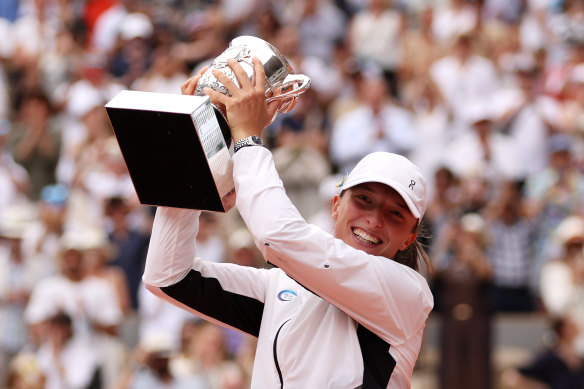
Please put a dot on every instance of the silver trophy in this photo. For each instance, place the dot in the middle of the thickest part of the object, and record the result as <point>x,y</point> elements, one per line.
<point>176,147</point>
<point>280,79</point>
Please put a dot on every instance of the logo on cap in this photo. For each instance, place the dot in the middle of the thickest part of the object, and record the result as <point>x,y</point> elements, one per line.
<point>412,183</point>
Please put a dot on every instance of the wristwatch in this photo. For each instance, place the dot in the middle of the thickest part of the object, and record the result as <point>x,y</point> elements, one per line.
<point>253,140</point>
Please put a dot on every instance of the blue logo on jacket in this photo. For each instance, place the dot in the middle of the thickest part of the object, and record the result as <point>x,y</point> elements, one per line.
<point>286,295</point>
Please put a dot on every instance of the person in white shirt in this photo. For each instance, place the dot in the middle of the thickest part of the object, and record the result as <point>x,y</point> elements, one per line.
<point>376,124</point>
<point>336,311</point>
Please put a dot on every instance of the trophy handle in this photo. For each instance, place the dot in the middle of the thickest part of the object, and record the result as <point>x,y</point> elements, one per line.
<point>302,84</point>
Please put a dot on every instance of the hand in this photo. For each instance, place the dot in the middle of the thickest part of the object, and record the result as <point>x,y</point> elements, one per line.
<point>188,87</point>
<point>247,110</point>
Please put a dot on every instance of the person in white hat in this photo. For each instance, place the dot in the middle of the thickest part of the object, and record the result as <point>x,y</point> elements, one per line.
<point>336,311</point>
<point>561,286</point>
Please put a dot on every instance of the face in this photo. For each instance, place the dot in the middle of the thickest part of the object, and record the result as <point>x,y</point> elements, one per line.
<point>374,218</point>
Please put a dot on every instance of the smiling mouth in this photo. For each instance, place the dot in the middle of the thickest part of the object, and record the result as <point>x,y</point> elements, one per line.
<point>365,237</point>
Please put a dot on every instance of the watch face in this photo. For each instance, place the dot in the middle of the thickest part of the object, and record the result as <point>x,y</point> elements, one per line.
<point>256,139</point>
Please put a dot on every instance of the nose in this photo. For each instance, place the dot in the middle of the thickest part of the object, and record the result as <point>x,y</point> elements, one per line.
<point>375,218</point>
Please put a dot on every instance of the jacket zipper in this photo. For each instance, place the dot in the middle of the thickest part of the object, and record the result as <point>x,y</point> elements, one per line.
<point>276,356</point>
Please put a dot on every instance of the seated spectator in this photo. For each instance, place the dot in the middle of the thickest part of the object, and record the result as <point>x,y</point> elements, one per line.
<point>558,367</point>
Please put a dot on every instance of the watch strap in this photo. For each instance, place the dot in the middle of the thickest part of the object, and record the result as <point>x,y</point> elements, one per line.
<point>252,140</point>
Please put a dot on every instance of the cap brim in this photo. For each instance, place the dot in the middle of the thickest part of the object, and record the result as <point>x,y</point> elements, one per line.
<point>411,206</point>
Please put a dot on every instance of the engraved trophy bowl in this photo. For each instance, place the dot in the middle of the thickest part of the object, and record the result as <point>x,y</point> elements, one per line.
<point>280,77</point>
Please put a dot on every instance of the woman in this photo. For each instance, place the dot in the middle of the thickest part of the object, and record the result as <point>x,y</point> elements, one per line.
<point>336,311</point>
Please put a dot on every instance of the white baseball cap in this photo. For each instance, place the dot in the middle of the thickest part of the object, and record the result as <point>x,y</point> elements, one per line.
<point>395,171</point>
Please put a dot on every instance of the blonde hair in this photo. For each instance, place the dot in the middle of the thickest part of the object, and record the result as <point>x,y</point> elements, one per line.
<point>415,254</point>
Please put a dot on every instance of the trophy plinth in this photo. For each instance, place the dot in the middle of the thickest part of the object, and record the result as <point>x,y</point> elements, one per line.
<point>175,150</point>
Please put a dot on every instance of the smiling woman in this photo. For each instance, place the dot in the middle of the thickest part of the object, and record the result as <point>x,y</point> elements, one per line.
<point>350,286</point>
<point>381,216</point>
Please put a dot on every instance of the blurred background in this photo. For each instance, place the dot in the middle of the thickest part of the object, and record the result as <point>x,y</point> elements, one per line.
<point>485,96</point>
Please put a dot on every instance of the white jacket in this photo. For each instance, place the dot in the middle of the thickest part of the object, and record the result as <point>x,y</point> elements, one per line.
<point>329,316</point>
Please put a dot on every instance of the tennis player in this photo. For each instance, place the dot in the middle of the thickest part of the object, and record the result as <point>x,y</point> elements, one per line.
<point>336,311</point>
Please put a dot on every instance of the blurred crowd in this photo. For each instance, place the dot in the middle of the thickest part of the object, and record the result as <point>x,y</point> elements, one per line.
<point>485,96</point>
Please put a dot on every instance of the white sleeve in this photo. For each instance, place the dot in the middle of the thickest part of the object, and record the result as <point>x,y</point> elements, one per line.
<point>390,299</point>
<point>223,293</point>
<point>172,246</point>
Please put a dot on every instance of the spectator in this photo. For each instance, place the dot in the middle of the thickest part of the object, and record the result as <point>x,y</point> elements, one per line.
<point>420,46</point>
<point>462,281</point>
<point>531,118</point>
<point>41,239</point>
<point>300,153</point>
<point>553,194</point>
<point>562,279</point>
<point>166,74</point>
<point>511,251</point>
<point>90,302</point>
<point>464,75</point>
<point>129,245</point>
<point>559,366</point>
<point>454,18</point>
<point>376,124</point>
<point>372,30</point>
<point>321,24</point>
<point>66,358</point>
<point>14,179</point>
<point>157,316</point>
<point>445,204</point>
<point>35,141</point>
<point>481,150</point>
<point>18,275</point>
<point>133,56</point>
<point>151,367</point>
<point>432,122</point>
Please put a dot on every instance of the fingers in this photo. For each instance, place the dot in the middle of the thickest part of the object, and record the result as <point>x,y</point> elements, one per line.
<point>259,77</point>
<point>273,107</point>
<point>188,87</point>
<point>257,83</point>
<point>240,74</point>
<point>226,81</point>
<point>216,97</point>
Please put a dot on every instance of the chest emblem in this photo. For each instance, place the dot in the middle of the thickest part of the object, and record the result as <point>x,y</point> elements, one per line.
<point>286,295</point>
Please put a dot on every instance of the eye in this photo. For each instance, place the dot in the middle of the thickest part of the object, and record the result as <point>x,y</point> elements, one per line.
<point>362,198</point>
<point>396,214</point>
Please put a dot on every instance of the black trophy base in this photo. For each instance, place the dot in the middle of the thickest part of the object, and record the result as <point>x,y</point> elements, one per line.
<point>175,150</point>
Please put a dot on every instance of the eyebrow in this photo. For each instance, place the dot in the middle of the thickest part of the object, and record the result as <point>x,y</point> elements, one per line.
<point>402,203</point>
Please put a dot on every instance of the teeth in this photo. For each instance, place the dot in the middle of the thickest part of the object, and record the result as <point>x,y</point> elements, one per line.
<point>365,236</point>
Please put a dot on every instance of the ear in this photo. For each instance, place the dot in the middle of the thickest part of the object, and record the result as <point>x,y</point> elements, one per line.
<point>335,207</point>
<point>411,239</point>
